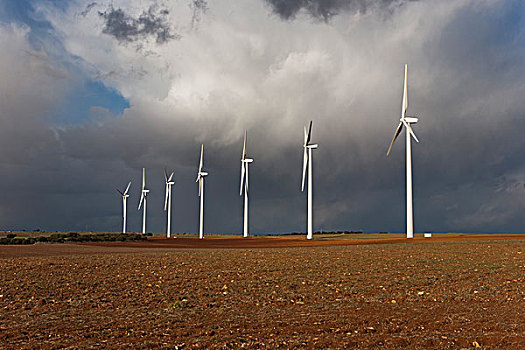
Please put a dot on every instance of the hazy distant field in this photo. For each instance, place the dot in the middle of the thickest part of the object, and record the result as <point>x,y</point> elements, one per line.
<point>455,294</point>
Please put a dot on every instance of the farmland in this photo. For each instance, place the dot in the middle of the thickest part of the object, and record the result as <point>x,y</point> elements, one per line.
<point>448,293</point>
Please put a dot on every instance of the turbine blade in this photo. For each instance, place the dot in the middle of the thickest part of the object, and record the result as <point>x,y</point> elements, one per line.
<point>165,175</point>
<point>200,186</point>
<point>127,188</point>
<point>247,177</point>
<point>202,152</point>
<point>309,133</point>
<point>122,194</point>
<point>405,93</point>
<point>244,145</point>
<point>141,200</point>
<point>305,162</point>
<point>171,176</point>
<point>396,134</point>
<point>305,137</point>
<point>143,178</point>
<point>242,177</point>
<point>412,133</point>
<point>166,197</point>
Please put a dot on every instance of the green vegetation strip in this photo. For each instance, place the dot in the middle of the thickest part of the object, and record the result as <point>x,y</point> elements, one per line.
<point>73,237</point>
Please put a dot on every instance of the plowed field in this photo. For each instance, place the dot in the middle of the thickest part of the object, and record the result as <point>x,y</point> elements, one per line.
<point>268,293</point>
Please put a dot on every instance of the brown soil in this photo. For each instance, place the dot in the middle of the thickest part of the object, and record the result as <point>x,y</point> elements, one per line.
<point>446,292</point>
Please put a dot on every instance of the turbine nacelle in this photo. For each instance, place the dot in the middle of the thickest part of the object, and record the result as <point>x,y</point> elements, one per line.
<point>307,146</point>
<point>405,120</point>
<point>247,160</point>
<point>411,120</point>
<point>125,193</point>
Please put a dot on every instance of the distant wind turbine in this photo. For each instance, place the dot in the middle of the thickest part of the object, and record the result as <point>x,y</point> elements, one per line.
<point>407,121</point>
<point>200,179</point>
<point>307,161</point>
<point>244,181</point>
<point>167,200</point>
<point>125,196</point>
<point>143,195</point>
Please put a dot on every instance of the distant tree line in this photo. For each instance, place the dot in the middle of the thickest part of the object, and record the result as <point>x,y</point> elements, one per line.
<point>326,233</point>
<point>70,237</point>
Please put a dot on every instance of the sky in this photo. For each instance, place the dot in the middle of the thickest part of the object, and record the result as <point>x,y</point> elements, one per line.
<point>93,91</point>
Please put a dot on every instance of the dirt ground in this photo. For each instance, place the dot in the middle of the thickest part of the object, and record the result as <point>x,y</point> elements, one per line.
<point>444,292</point>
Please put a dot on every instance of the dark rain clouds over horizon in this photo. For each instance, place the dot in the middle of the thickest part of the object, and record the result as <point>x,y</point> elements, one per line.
<point>93,91</point>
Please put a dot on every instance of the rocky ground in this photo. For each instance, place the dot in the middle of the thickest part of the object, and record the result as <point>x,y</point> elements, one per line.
<point>464,294</point>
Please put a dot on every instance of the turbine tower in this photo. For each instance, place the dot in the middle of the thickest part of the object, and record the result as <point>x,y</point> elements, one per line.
<point>143,195</point>
<point>200,179</point>
<point>167,200</point>
<point>244,181</point>
<point>407,122</point>
<point>307,161</point>
<point>125,196</point>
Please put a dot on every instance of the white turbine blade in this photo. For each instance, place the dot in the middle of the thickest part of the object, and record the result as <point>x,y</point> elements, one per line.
<point>244,145</point>
<point>200,186</point>
<point>200,162</point>
<point>396,134</point>
<point>166,197</point>
<point>412,133</point>
<point>247,177</point>
<point>404,107</point>
<point>305,137</point>
<point>165,175</point>
<point>305,163</point>
<point>242,177</point>
<point>143,178</point>
<point>171,176</point>
<point>309,133</point>
<point>127,188</point>
<point>141,200</point>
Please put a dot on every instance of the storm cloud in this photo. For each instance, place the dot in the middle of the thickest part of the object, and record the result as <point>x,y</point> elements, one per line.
<point>125,28</point>
<point>247,69</point>
<point>325,9</point>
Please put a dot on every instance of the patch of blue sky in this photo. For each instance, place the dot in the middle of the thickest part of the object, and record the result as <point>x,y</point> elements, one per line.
<point>78,105</point>
<point>88,101</point>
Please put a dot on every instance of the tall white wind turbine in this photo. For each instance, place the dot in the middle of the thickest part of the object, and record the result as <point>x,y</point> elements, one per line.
<point>407,122</point>
<point>143,195</point>
<point>200,179</point>
<point>125,196</point>
<point>244,183</point>
<point>307,161</point>
<point>167,200</point>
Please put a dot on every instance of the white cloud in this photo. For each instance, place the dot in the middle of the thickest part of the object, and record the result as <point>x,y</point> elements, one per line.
<point>242,67</point>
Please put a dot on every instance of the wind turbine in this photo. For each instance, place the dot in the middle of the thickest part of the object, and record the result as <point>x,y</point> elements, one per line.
<point>125,196</point>
<point>407,121</point>
<point>307,161</point>
<point>244,181</point>
<point>200,179</point>
<point>167,200</point>
<point>143,195</point>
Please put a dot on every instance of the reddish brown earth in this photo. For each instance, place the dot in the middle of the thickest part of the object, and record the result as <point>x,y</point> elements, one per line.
<point>462,292</point>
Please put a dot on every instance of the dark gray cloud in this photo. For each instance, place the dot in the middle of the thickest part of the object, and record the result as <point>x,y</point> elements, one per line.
<point>243,69</point>
<point>323,9</point>
<point>126,28</point>
<point>88,9</point>
<point>199,7</point>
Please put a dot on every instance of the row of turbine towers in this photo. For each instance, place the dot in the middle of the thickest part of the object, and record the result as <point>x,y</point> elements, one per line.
<point>405,121</point>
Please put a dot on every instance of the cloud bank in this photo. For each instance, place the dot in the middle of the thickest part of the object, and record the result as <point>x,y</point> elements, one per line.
<point>239,66</point>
